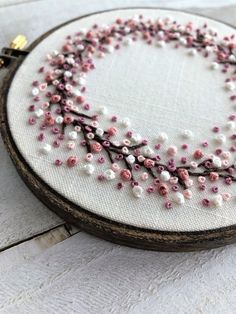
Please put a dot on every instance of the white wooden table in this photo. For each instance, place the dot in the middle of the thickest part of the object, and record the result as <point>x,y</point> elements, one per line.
<point>49,267</point>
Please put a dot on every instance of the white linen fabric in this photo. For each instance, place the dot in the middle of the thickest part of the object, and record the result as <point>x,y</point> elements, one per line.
<point>160,89</point>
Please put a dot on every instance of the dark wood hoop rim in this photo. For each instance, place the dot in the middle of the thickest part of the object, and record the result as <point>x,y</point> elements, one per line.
<point>102,227</point>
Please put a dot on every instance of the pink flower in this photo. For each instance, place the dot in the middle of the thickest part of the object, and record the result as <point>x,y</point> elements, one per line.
<point>187,194</point>
<point>49,77</point>
<point>55,98</point>
<point>198,154</point>
<point>225,155</point>
<point>162,189</point>
<point>201,179</point>
<point>188,183</point>
<point>125,175</point>
<point>225,163</point>
<point>68,48</point>
<point>115,167</point>
<point>172,151</point>
<point>173,180</point>
<point>45,105</point>
<point>89,157</point>
<point>213,176</point>
<point>144,176</point>
<point>49,121</point>
<point>148,163</point>
<point>80,99</point>
<point>226,196</point>
<point>72,161</point>
<point>112,131</point>
<point>43,86</point>
<point>32,120</point>
<point>71,145</point>
<point>183,173</point>
<point>96,147</point>
<point>68,119</point>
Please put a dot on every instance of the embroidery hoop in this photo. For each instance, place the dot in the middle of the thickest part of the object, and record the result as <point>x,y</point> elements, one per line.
<point>108,229</point>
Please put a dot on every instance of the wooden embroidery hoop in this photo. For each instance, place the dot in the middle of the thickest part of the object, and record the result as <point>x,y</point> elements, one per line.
<point>107,229</point>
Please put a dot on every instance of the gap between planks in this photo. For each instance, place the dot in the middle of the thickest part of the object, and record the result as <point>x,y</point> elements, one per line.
<point>28,249</point>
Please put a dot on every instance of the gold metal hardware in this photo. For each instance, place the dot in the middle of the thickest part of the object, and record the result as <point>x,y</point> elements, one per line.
<point>18,43</point>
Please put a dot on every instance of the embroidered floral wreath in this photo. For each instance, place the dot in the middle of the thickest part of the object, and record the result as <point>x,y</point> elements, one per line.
<point>60,102</point>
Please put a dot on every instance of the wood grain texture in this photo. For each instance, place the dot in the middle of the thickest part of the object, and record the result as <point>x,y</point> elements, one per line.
<point>86,275</point>
<point>21,214</point>
<point>28,250</point>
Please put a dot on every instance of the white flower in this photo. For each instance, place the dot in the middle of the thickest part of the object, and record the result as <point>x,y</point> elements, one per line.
<point>178,198</point>
<point>55,53</point>
<point>192,52</point>
<point>46,149</point>
<point>81,81</point>
<point>209,48</point>
<point>116,143</point>
<point>73,135</point>
<point>165,176</point>
<point>230,85</point>
<point>70,60</point>
<point>141,158</point>
<point>80,47</point>
<point>124,150</point>
<point>214,65</point>
<point>220,138</point>
<point>39,113</point>
<point>109,174</point>
<point>102,110</point>
<point>148,151</point>
<point>177,35</point>
<point>89,169</point>
<point>183,41</point>
<point>68,74</point>
<point>55,82</point>
<point>217,200</point>
<point>35,91</point>
<point>82,31</point>
<point>232,58</point>
<point>212,31</point>
<point>162,137</point>
<point>160,34</point>
<point>137,191</point>
<point>130,159</point>
<point>216,162</point>
<point>110,48</point>
<point>99,132</point>
<point>187,134</point>
<point>77,92</point>
<point>160,43</point>
<point>125,122</point>
<point>59,119</point>
<point>193,164</point>
<point>127,29</point>
<point>128,41</point>
<point>136,138</point>
<point>230,125</point>
<point>90,135</point>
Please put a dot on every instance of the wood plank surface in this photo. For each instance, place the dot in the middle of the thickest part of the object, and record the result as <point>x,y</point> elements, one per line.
<point>86,275</point>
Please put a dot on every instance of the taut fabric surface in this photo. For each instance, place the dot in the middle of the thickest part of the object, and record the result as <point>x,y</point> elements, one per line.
<point>160,90</point>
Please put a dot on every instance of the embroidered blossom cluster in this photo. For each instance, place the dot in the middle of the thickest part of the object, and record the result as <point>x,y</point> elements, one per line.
<point>59,104</point>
